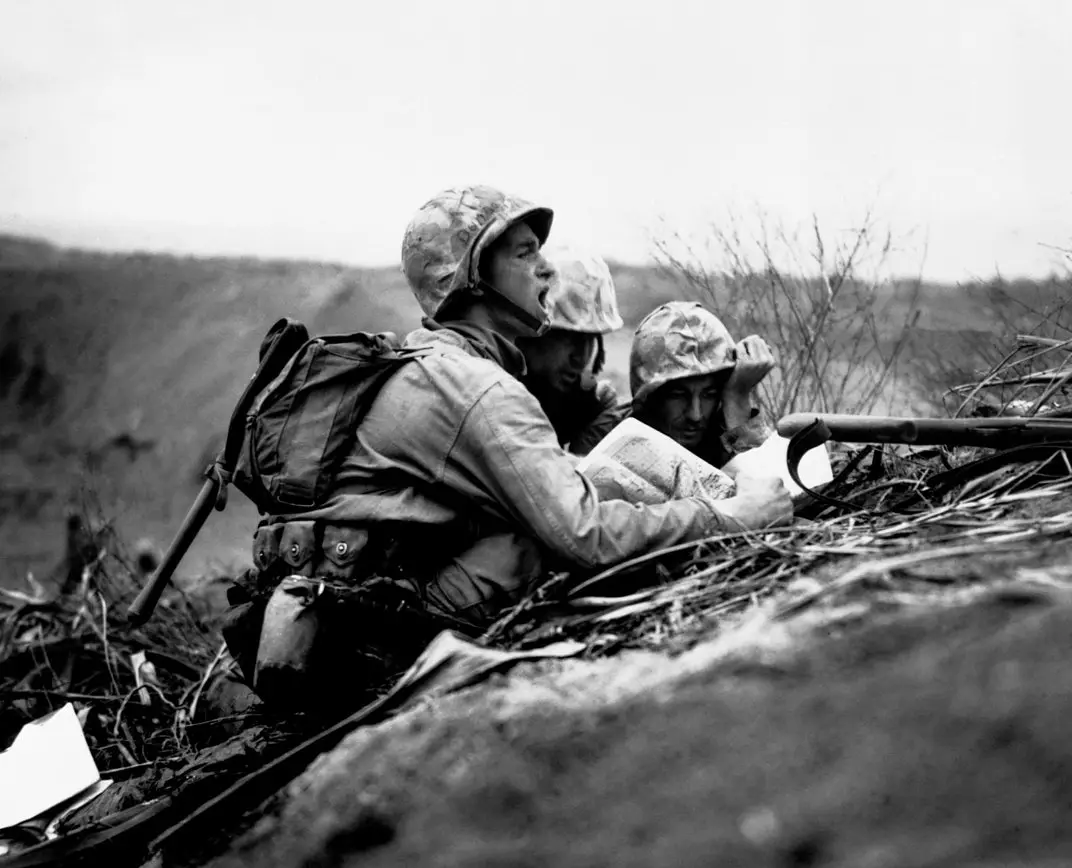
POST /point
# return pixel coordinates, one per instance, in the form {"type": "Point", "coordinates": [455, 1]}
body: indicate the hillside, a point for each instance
{"type": "Point", "coordinates": [120, 372]}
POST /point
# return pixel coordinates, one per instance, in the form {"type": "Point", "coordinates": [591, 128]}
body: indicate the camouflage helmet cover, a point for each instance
{"type": "Point", "coordinates": [676, 340]}
{"type": "Point", "coordinates": [582, 298]}
{"type": "Point", "coordinates": [443, 242]}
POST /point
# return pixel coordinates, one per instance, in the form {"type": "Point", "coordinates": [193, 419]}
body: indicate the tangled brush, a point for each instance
{"type": "Point", "coordinates": [911, 527]}
{"type": "Point", "coordinates": [917, 525]}
{"type": "Point", "coordinates": [137, 690]}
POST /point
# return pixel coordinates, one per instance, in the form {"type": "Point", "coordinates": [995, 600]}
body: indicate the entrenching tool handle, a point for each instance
{"type": "Point", "coordinates": [283, 340]}
{"type": "Point", "coordinates": [142, 608]}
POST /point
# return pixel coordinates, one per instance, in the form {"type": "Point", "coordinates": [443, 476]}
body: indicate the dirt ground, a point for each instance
{"type": "Point", "coordinates": [900, 737]}
{"type": "Point", "coordinates": [865, 737]}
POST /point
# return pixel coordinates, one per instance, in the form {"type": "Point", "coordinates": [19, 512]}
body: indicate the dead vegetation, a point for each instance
{"type": "Point", "coordinates": [922, 526]}
{"type": "Point", "coordinates": [840, 322]}
{"type": "Point", "coordinates": [138, 689]}
{"type": "Point", "coordinates": [919, 516]}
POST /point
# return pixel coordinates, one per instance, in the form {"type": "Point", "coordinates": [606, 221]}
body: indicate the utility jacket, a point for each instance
{"type": "Point", "coordinates": [454, 441]}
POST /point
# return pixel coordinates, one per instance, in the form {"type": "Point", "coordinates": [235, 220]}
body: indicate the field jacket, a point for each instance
{"type": "Point", "coordinates": [454, 438]}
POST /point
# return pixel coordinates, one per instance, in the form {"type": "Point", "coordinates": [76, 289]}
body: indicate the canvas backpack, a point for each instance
{"type": "Point", "coordinates": [299, 414]}
{"type": "Point", "coordinates": [289, 431]}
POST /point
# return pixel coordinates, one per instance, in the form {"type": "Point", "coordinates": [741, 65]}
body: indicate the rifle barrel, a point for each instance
{"type": "Point", "coordinates": [999, 432]}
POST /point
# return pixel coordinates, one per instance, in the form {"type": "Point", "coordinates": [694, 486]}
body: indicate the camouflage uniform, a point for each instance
{"type": "Point", "coordinates": [583, 300]}
{"type": "Point", "coordinates": [684, 339]}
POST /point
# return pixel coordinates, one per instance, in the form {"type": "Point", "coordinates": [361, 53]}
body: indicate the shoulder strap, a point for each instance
{"type": "Point", "coordinates": [283, 340]}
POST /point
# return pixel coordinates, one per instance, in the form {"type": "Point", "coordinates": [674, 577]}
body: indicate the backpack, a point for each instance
{"type": "Point", "coordinates": [299, 415]}
{"type": "Point", "coordinates": [290, 430]}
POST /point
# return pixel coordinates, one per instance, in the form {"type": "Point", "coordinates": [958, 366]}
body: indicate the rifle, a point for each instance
{"type": "Point", "coordinates": [1002, 432]}
{"type": "Point", "coordinates": [1017, 439]}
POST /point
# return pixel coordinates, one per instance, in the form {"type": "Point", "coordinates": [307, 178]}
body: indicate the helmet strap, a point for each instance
{"type": "Point", "coordinates": [539, 326]}
{"type": "Point", "coordinates": [600, 356]}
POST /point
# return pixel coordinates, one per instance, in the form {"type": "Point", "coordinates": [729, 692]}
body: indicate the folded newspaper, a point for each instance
{"type": "Point", "coordinates": [634, 462]}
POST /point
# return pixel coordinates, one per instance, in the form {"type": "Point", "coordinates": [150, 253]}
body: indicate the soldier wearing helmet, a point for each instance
{"type": "Point", "coordinates": [457, 458]}
{"type": "Point", "coordinates": [444, 262]}
{"type": "Point", "coordinates": [563, 364]}
{"type": "Point", "coordinates": [692, 382]}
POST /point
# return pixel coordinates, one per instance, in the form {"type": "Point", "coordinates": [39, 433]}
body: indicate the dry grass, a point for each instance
{"type": "Point", "coordinates": [916, 534]}
{"type": "Point", "coordinates": [917, 511]}
{"type": "Point", "coordinates": [674, 598]}
{"type": "Point", "coordinates": [912, 516]}
{"type": "Point", "coordinates": [158, 348]}
{"type": "Point", "coordinates": [76, 647]}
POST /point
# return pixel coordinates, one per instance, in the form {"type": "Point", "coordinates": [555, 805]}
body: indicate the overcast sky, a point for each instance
{"type": "Point", "coordinates": [315, 129]}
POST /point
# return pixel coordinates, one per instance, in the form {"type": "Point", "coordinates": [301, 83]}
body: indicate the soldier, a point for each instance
{"type": "Point", "coordinates": [456, 496]}
{"type": "Point", "coordinates": [457, 475]}
{"type": "Point", "coordinates": [562, 365]}
{"type": "Point", "coordinates": [693, 383]}
{"type": "Point", "coordinates": [454, 434]}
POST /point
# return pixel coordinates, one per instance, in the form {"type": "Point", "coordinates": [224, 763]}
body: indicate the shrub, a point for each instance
{"type": "Point", "coordinates": [1036, 372]}
{"type": "Point", "coordinates": [837, 322]}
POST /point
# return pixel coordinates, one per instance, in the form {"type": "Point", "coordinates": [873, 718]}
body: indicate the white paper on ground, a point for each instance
{"type": "Point", "coordinates": [48, 763]}
{"type": "Point", "coordinates": [772, 458]}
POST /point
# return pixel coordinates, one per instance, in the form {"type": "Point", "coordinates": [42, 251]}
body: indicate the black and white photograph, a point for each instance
{"type": "Point", "coordinates": [563, 434]}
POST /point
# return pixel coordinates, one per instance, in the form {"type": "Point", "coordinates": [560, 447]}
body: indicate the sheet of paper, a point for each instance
{"type": "Point", "coordinates": [771, 457]}
{"type": "Point", "coordinates": [48, 763]}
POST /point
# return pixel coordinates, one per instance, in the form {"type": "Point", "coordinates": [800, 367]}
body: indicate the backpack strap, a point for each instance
{"type": "Point", "coordinates": [281, 342]}
{"type": "Point", "coordinates": [283, 339]}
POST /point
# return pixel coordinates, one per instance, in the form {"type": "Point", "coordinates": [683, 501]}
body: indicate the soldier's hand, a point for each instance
{"type": "Point", "coordinates": [761, 501]}
{"type": "Point", "coordinates": [754, 361]}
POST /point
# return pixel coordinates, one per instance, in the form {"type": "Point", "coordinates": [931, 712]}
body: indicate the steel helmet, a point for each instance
{"type": "Point", "coordinates": [678, 339]}
{"type": "Point", "coordinates": [583, 297]}
{"type": "Point", "coordinates": [443, 242]}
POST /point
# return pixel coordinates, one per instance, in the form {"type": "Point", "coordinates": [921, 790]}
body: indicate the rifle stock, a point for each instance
{"type": "Point", "coordinates": [999, 432]}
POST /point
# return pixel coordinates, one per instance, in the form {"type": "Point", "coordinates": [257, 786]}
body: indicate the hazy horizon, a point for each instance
{"type": "Point", "coordinates": [314, 132]}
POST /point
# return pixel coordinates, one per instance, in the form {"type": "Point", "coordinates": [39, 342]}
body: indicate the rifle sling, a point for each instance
{"type": "Point", "coordinates": [817, 433]}
{"type": "Point", "coordinates": [949, 479]}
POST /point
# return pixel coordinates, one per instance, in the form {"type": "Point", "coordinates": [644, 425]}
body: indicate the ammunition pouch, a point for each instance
{"type": "Point", "coordinates": [330, 611]}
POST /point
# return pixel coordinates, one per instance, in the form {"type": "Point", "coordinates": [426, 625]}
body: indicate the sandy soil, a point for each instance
{"type": "Point", "coordinates": [918, 736]}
